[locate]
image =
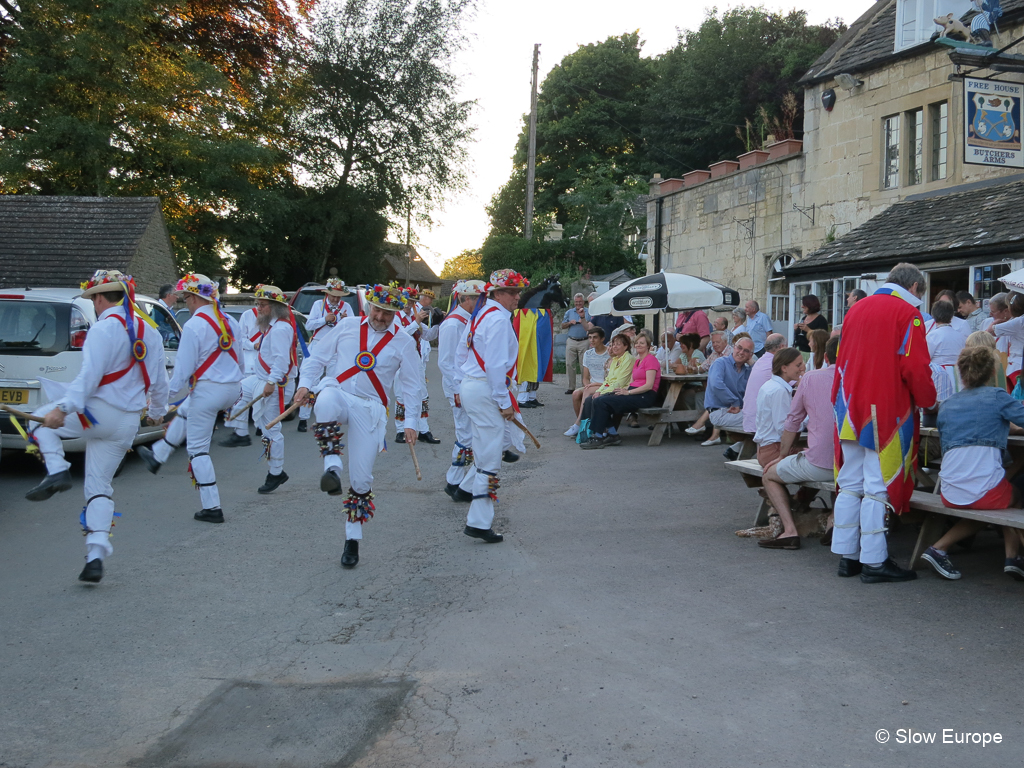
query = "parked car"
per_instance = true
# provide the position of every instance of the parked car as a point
(42, 331)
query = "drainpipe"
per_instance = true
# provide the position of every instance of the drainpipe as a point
(657, 261)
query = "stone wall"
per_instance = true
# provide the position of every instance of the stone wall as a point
(153, 262)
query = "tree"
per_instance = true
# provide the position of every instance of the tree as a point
(735, 69)
(507, 209)
(466, 266)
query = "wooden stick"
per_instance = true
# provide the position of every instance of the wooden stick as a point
(522, 426)
(244, 408)
(415, 463)
(282, 416)
(22, 414)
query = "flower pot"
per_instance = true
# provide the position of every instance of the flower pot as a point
(696, 177)
(783, 148)
(750, 159)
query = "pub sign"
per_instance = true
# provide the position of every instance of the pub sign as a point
(992, 123)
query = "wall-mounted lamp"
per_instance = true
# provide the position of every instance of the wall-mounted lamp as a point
(828, 99)
(847, 81)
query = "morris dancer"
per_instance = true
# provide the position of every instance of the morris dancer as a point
(122, 363)
(323, 316)
(276, 366)
(459, 479)
(882, 377)
(363, 358)
(250, 338)
(487, 358)
(207, 365)
(411, 322)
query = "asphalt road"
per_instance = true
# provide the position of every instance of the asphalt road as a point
(621, 623)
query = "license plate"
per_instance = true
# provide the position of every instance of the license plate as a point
(14, 396)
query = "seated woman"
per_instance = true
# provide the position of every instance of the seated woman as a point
(817, 340)
(973, 427)
(642, 392)
(773, 402)
(617, 374)
(690, 356)
(595, 360)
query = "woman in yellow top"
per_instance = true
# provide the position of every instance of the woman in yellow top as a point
(617, 375)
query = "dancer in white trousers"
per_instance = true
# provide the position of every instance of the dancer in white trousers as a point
(207, 366)
(487, 358)
(362, 358)
(413, 322)
(249, 341)
(459, 478)
(122, 365)
(324, 315)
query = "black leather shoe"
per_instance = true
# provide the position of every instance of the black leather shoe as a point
(487, 536)
(235, 440)
(569, 391)
(529, 404)
(350, 556)
(51, 484)
(92, 572)
(210, 516)
(731, 453)
(537, 403)
(509, 457)
(148, 458)
(330, 483)
(400, 437)
(259, 432)
(848, 567)
(887, 571)
(429, 439)
(273, 482)
(613, 439)
(457, 494)
(303, 426)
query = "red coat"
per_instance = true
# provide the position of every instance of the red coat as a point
(882, 378)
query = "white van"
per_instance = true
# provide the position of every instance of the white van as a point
(42, 331)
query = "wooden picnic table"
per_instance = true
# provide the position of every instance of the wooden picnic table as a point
(670, 408)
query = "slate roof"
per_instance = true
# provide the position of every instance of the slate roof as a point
(396, 255)
(869, 42)
(60, 241)
(982, 219)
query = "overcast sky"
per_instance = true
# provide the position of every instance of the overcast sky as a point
(495, 71)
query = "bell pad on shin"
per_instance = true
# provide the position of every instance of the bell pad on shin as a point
(328, 436)
(359, 506)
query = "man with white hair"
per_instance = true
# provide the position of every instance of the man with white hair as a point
(459, 479)
(363, 359)
(758, 325)
(207, 366)
(576, 322)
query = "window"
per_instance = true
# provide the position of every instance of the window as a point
(986, 281)
(891, 152)
(780, 309)
(914, 23)
(843, 287)
(165, 324)
(940, 138)
(915, 146)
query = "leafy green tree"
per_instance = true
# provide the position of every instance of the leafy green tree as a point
(507, 209)
(466, 266)
(599, 208)
(737, 67)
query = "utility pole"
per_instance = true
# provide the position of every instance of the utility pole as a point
(408, 245)
(531, 161)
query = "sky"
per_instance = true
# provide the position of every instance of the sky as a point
(495, 72)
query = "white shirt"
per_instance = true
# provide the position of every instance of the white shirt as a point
(198, 342)
(317, 320)
(250, 329)
(495, 342)
(673, 355)
(448, 337)
(958, 324)
(944, 344)
(107, 350)
(597, 364)
(773, 403)
(336, 354)
(1010, 339)
(969, 472)
(275, 353)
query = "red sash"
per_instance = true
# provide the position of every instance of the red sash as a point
(480, 361)
(327, 310)
(256, 335)
(460, 318)
(195, 377)
(292, 360)
(137, 355)
(406, 322)
(366, 360)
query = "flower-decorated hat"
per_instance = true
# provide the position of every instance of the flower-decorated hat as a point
(469, 287)
(428, 293)
(412, 293)
(336, 287)
(107, 281)
(198, 285)
(506, 279)
(270, 293)
(389, 297)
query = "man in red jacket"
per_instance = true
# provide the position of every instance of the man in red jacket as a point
(882, 378)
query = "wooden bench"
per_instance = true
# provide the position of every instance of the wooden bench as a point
(745, 440)
(752, 472)
(671, 410)
(933, 525)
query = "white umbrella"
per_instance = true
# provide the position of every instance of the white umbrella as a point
(663, 292)
(1013, 280)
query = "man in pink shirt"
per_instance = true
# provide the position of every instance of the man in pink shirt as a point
(760, 373)
(694, 321)
(813, 401)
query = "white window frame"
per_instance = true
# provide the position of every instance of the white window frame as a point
(920, 28)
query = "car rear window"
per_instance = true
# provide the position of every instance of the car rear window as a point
(33, 327)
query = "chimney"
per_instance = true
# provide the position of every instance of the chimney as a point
(654, 185)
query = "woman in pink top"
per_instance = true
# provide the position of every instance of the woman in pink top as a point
(642, 392)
